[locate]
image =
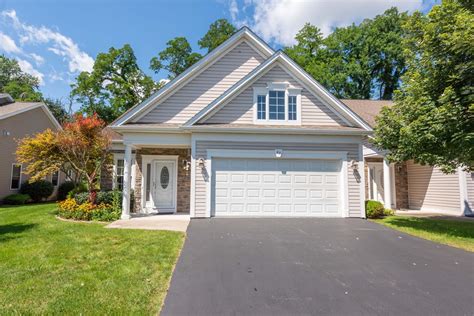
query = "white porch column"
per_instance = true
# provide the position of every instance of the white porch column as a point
(127, 161)
(387, 184)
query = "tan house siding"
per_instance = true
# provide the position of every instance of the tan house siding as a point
(205, 87)
(184, 177)
(202, 174)
(19, 126)
(239, 110)
(430, 189)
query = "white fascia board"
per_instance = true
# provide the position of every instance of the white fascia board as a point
(146, 129)
(269, 130)
(141, 107)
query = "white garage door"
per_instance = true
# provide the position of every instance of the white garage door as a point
(276, 187)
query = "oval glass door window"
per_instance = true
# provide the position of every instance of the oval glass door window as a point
(164, 177)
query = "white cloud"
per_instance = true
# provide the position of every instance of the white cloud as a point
(279, 20)
(61, 45)
(8, 45)
(28, 68)
(37, 58)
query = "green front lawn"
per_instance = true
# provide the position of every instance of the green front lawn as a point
(49, 266)
(456, 233)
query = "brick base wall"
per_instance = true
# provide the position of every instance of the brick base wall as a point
(184, 177)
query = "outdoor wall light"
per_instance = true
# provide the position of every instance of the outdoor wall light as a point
(186, 164)
(201, 163)
(354, 164)
(5, 133)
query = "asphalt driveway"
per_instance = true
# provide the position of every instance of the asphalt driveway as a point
(316, 266)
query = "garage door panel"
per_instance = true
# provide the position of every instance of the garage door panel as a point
(276, 187)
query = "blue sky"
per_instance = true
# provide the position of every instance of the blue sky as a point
(55, 40)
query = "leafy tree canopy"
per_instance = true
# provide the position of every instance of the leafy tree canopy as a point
(20, 85)
(218, 33)
(359, 61)
(175, 58)
(58, 109)
(115, 84)
(432, 120)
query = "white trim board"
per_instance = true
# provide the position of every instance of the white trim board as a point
(137, 110)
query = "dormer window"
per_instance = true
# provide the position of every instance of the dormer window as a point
(278, 103)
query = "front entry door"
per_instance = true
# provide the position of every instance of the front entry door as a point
(164, 179)
(376, 182)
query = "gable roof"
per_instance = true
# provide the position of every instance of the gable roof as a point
(367, 109)
(330, 100)
(140, 108)
(16, 108)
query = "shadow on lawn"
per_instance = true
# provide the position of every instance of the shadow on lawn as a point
(437, 226)
(6, 231)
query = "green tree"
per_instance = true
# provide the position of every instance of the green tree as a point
(58, 109)
(432, 121)
(115, 84)
(20, 85)
(218, 33)
(359, 61)
(175, 58)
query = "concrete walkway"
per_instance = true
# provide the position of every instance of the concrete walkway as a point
(175, 222)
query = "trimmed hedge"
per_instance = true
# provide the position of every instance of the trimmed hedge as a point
(38, 190)
(374, 209)
(16, 199)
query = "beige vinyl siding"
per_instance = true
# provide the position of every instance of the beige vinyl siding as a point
(239, 110)
(202, 174)
(24, 124)
(430, 189)
(470, 190)
(185, 102)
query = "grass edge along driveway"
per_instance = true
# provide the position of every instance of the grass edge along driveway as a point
(48, 266)
(455, 233)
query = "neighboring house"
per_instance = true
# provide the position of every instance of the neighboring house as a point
(243, 132)
(17, 120)
(408, 185)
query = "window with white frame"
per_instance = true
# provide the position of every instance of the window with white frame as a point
(16, 176)
(279, 103)
(119, 170)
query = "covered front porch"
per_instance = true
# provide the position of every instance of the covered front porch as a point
(386, 182)
(161, 174)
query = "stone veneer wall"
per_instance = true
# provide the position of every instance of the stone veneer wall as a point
(184, 177)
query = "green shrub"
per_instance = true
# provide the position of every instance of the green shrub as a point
(388, 212)
(107, 197)
(38, 190)
(64, 189)
(374, 209)
(82, 197)
(16, 199)
(80, 188)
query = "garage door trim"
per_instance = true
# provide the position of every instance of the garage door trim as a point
(286, 154)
